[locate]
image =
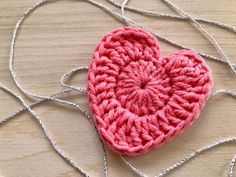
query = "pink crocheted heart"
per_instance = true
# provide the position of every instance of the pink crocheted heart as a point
(140, 100)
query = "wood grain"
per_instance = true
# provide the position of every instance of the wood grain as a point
(62, 35)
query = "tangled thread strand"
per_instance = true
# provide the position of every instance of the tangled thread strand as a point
(155, 14)
(104, 8)
(204, 32)
(45, 131)
(68, 74)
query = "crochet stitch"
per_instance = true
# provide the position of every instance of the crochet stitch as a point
(140, 100)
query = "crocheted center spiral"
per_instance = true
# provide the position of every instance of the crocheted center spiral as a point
(141, 88)
(140, 100)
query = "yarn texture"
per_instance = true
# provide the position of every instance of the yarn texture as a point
(140, 100)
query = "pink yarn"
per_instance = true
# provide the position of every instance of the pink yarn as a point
(140, 100)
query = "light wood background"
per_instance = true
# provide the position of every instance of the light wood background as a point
(62, 35)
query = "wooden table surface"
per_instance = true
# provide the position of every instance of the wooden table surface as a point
(60, 36)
